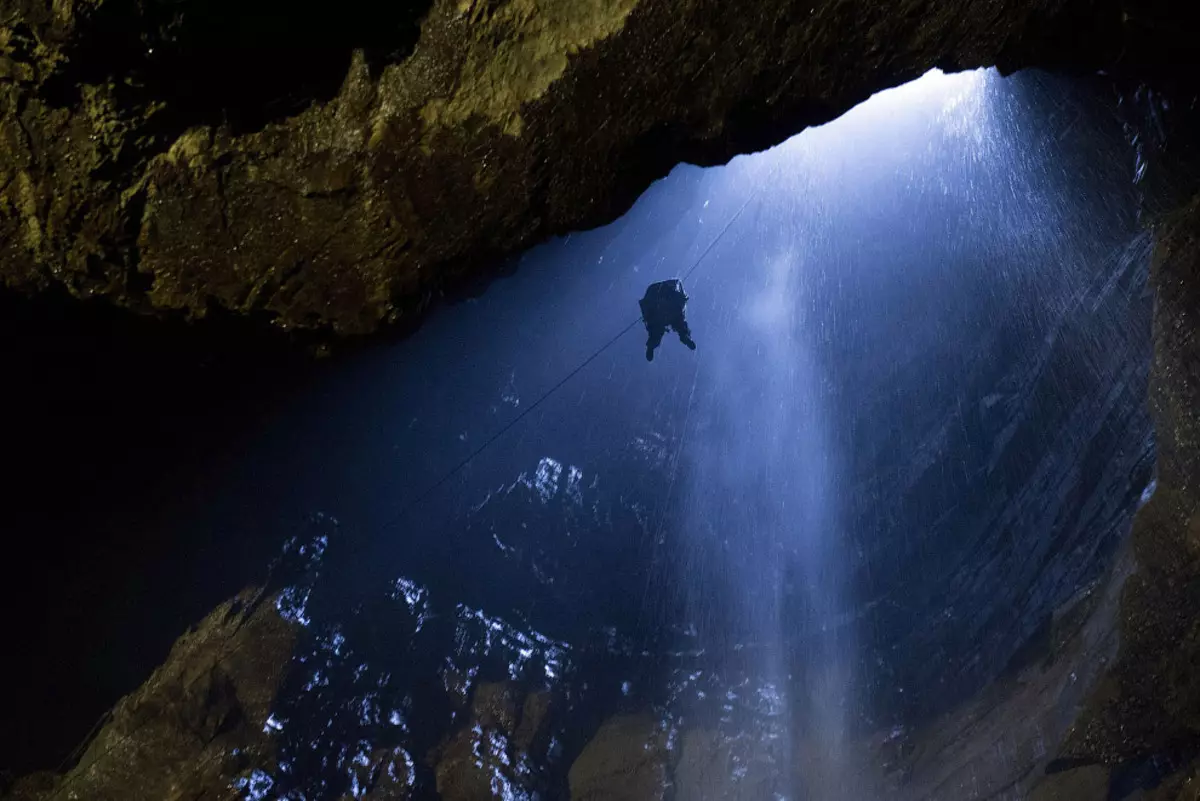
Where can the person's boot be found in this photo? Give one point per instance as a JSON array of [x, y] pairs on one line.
[[649, 354]]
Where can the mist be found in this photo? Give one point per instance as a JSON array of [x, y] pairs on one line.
[[914, 425]]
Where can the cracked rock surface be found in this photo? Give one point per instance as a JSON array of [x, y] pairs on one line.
[[197, 726], [370, 160]]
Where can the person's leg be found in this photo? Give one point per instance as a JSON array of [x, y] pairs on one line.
[[654, 340], [685, 335]]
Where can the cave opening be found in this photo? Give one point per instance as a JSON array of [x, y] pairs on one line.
[[895, 474]]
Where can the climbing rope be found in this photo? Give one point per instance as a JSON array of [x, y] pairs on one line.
[[505, 429], [455, 470], [557, 386], [720, 236]]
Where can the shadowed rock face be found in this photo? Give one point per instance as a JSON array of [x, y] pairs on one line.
[[626, 761], [1150, 705], [196, 727], [346, 169], [496, 754]]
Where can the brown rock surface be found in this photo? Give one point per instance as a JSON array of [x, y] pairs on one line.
[[627, 760], [501, 751], [197, 725], [1081, 784], [154, 154], [713, 767], [999, 744], [1151, 702]]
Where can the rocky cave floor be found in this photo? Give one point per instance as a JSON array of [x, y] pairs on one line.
[[202, 727]]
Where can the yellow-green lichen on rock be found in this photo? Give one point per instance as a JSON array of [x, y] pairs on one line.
[[191, 148], [345, 200], [517, 49], [26, 206]]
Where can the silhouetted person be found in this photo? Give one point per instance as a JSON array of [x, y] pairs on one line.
[[662, 308]]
